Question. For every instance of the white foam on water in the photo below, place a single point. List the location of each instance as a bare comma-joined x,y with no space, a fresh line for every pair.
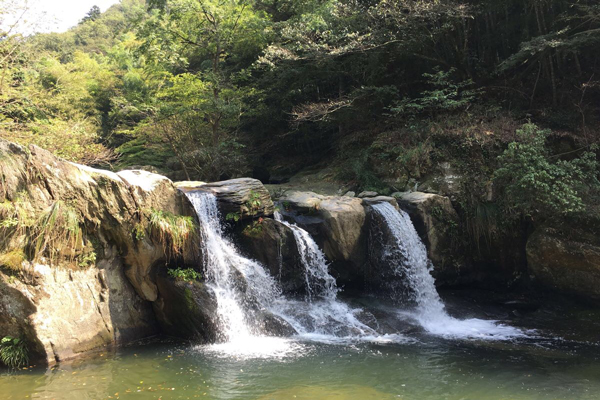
251,347
411,261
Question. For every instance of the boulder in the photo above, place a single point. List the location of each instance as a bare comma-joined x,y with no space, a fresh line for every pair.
380,199
68,297
188,185
362,195
338,226
275,247
437,223
566,260
246,197
350,194
186,309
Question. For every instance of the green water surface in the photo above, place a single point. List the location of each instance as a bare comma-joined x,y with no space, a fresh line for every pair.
561,362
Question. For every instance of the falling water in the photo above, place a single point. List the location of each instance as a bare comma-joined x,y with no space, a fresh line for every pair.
322,316
411,261
225,267
319,283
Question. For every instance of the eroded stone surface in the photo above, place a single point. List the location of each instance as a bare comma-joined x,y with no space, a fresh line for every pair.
67,307
246,197
565,261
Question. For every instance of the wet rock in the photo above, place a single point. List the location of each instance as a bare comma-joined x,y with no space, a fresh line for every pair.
186,309
362,195
566,259
188,185
276,326
274,246
245,196
380,199
437,223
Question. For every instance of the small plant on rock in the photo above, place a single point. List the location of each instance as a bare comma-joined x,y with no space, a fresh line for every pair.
57,233
185,275
12,260
14,352
173,231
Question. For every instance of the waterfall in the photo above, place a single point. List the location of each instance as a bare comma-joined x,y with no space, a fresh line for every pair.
244,291
319,283
224,267
322,316
410,259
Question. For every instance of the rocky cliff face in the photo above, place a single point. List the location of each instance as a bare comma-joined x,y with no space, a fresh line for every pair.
566,259
84,253
78,252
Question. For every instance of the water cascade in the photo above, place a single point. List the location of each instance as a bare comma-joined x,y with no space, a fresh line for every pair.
322,316
223,266
325,318
411,261
319,283
244,290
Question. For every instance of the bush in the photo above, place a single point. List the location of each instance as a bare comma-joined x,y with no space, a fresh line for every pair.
535,185
186,275
13,352
12,260
173,231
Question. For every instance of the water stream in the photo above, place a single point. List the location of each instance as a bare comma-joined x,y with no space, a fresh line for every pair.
226,270
341,350
410,260
321,315
319,283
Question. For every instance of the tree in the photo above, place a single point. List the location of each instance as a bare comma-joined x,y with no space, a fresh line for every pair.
92,15
538,185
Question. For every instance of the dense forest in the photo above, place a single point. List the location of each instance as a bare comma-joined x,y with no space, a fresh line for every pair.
380,94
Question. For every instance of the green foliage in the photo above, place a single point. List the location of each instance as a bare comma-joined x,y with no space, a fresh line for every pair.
539,185
253,228
57,233
92,15
358,169
174,232
186,275
139,231
12,260
211,89
233,216
253,203
445,95
14,352
87,260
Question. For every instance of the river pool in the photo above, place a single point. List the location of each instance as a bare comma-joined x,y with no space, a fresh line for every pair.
559,359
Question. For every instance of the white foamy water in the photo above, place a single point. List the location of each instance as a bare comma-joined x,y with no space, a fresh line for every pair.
256,347
411,260
319,283
226,270
322,317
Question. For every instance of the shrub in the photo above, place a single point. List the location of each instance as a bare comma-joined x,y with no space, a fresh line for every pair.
14,352
186,275
173,231
12,260
536,185
57,232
